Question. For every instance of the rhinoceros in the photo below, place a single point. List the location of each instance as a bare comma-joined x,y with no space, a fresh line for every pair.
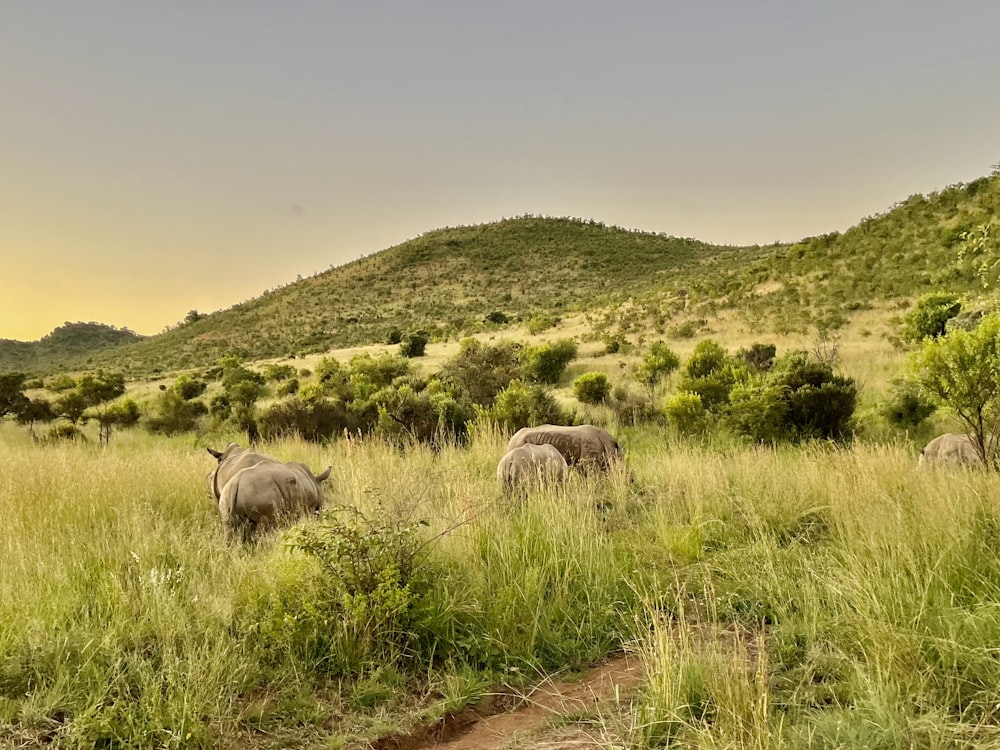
231,460
531,465
260,496
584,445
950,448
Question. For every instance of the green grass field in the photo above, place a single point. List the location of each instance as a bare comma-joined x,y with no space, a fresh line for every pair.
799,597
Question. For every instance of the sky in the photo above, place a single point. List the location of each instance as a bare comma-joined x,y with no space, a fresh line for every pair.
161,157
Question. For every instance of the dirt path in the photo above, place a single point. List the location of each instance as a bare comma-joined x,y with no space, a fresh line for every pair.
542,718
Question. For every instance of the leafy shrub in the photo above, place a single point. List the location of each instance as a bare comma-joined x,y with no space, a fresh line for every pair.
930,316
380,371
906,407
800,398
373,572
524,405
688,329
497,318
759,357
480,371
174,415
759,411
316,420
394,337
289,387
711,374
547,362
542,322
616,343
278,373
188,388
631,407
414,344
592,387
60,383
424,414
685,412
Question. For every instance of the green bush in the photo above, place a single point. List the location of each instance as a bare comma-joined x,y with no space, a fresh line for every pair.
188,388
759,357
711,373
424,414
685,413
759,410
316,420
592,388
277,373
524,405
394,337
174,415
414,344
800,398
930,316
547,362
906,407
289,387
480,371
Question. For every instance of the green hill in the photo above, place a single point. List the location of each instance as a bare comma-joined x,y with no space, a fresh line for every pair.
447,281
69,343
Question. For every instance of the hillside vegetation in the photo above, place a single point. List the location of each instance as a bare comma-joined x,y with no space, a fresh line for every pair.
69,343
449,282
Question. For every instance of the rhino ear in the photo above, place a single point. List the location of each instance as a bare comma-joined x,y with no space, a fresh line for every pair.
215,454
324,476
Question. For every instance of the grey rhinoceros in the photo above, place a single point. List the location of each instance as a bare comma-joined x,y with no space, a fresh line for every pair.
531,465
950,448
230,460
258,491
584,445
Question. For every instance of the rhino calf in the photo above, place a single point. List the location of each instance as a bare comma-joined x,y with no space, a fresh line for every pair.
531,465
950,449
584,445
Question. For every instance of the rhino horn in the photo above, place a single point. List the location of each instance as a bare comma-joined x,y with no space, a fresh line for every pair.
216,454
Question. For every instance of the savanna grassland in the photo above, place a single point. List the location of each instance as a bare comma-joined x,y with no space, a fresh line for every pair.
785,584
790,597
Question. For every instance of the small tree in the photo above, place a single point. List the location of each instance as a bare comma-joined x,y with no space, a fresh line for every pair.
12,398
962,371
97,392
657,364
38,410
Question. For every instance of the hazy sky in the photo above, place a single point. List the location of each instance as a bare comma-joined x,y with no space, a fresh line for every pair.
161,156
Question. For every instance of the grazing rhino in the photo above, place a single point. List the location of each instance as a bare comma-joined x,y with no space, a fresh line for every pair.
584,445
231,460
531,465
950,448
259,496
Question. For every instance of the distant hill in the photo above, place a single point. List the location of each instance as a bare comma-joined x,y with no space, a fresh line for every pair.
69,343
449,280
446,281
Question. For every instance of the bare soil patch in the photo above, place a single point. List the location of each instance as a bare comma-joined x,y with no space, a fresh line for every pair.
542,716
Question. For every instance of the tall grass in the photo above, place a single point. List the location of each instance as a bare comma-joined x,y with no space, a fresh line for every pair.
799,597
